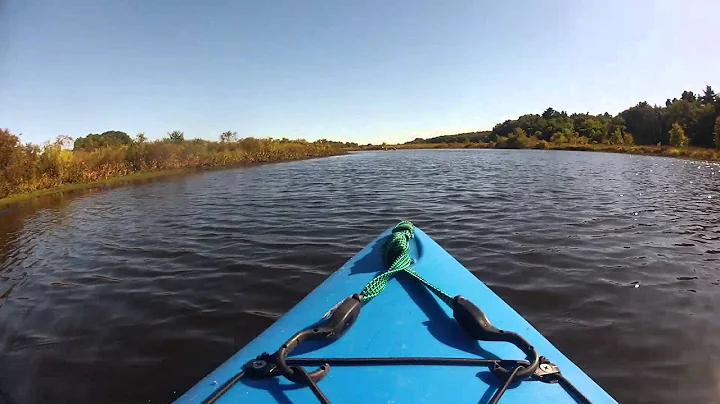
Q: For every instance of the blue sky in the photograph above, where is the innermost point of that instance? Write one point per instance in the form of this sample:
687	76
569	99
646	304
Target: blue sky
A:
364	71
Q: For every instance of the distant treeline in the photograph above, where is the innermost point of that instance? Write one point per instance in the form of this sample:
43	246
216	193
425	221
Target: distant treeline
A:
28	167
691	120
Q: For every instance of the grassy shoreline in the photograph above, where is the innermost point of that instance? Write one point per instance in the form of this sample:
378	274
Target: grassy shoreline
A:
28	170
109	182
696	153
123	180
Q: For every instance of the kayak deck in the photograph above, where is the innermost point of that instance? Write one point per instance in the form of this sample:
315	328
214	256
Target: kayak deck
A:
405	320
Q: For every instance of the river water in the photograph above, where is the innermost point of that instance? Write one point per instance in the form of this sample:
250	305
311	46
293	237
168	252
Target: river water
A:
135	293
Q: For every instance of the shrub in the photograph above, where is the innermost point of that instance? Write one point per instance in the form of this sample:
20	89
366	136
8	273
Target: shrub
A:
542	145
677	136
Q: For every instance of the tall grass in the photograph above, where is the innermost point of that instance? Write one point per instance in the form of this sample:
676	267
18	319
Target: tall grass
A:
27	168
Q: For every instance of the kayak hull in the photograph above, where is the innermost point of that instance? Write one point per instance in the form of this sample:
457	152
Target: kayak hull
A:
405	320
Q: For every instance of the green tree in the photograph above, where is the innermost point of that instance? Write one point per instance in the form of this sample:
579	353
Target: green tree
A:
702	130
176	136
518	139
558	137
717	132
532	123
559	123
592	128
677	136
549	113
616	137
694	114
617	122
708	96
229	136
519	133
109	138
643	121
505	128
680	111
140	138
688	96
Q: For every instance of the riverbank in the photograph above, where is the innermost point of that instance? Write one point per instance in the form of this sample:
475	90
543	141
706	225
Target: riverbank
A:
28	171
110	182
134	178
698	153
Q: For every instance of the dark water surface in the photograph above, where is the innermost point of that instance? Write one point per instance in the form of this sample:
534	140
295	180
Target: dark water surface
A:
134	294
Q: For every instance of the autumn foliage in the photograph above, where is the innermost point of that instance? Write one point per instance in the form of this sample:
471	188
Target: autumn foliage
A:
26	168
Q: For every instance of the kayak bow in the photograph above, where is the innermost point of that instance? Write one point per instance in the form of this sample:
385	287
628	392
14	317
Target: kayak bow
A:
372	363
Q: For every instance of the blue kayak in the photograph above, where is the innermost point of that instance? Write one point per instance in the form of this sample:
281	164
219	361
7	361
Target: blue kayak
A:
401	322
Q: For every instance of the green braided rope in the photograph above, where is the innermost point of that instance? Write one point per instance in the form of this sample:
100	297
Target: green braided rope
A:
396	254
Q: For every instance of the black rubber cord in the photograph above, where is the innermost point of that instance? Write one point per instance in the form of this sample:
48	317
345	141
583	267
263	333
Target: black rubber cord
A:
310	383
225	387
399	360
496	397
579	397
